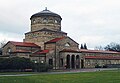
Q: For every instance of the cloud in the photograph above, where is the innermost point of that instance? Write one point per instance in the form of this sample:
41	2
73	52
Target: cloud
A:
10	37
83	20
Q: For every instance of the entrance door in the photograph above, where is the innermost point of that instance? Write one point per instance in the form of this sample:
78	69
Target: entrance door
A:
73	61
82	63
77	62
68	62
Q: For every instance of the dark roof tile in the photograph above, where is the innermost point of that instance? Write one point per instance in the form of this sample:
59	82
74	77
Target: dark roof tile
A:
45	13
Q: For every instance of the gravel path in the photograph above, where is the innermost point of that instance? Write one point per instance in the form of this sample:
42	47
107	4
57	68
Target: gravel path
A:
66	71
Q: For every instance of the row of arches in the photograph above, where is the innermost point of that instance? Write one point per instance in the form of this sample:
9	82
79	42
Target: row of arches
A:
73	62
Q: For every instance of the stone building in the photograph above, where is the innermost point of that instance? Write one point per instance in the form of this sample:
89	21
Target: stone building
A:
46	43
45	26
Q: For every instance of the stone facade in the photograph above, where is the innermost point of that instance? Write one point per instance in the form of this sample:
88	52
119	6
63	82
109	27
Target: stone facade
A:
102	59
56	47
45	26
52	23
42	36
46	43
20	49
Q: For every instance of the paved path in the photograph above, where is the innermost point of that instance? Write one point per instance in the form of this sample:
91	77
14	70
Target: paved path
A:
65	71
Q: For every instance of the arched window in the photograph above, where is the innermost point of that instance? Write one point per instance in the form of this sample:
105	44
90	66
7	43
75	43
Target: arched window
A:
56	21
45	20
67	44
51	62
73	61
8	50
33	21
68	61
50	20
77	61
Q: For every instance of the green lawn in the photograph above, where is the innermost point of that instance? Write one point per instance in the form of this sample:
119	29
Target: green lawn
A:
83	77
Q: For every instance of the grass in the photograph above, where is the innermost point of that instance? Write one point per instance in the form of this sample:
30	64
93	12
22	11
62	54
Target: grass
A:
83	77
15	73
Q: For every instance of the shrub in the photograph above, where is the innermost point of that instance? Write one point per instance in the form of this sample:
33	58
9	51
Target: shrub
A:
22	64
16	63
42	67
97	66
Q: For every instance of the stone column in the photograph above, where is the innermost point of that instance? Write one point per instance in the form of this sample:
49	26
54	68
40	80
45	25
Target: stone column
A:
70	63
75	62
64	61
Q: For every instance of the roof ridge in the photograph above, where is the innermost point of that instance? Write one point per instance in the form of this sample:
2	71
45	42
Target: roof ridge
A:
55	40
99	51
28	44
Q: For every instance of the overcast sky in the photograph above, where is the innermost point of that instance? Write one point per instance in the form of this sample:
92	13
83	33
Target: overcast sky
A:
94	22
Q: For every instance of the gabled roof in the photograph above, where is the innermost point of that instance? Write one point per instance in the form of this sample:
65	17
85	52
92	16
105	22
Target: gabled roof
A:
55	40
103	57
42	52
24	44
73	40
27	44
98	51
58	39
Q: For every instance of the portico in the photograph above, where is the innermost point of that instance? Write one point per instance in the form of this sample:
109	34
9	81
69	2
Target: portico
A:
71	60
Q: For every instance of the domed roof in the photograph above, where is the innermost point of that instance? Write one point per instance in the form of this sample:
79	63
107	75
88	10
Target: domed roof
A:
45	13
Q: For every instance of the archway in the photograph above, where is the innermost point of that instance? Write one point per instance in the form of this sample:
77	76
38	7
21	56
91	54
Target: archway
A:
73	61
68	61
82	63
77	61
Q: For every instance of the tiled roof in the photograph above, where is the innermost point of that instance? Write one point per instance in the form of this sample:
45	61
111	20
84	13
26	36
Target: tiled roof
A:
103	57
98	51
46	13
26	44
42	52
69	50
89	51
55	40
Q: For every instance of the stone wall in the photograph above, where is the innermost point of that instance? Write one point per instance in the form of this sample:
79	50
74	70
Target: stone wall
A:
41	37
8	48
29	49
92	63
52	23
55	49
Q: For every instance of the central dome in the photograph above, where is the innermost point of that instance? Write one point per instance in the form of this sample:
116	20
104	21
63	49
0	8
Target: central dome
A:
45	13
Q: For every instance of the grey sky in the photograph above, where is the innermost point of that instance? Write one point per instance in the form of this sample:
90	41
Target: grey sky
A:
95	22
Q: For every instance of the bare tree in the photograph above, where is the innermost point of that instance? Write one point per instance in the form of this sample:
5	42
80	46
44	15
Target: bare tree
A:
99	48
113	47
2	43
